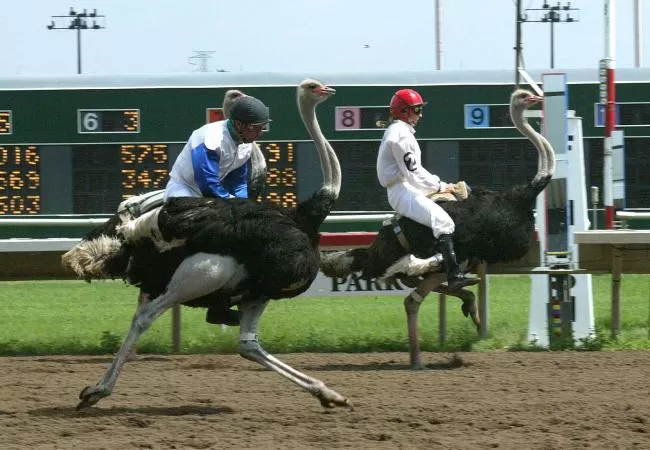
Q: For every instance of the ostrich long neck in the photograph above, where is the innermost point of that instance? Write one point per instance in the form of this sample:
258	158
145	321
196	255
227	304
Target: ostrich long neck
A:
328	160
546	160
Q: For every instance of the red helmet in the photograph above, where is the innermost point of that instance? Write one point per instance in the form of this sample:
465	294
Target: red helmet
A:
402	100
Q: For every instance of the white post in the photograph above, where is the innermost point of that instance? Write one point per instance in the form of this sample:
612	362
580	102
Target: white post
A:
561	210
610	111
438	34
638	34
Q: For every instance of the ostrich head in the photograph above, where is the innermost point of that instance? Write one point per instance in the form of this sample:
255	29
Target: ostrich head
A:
313	92
521	99
229	99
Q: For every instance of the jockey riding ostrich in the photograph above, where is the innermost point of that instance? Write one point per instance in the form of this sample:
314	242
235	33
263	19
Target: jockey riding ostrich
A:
490	226
206	251
134	207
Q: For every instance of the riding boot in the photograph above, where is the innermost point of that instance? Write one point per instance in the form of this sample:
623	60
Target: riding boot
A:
456	279
218	315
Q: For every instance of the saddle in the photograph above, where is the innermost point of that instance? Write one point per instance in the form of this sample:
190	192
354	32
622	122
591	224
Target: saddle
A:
461	192
140	204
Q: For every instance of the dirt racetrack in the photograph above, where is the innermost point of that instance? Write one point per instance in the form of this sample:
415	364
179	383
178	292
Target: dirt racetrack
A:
502	400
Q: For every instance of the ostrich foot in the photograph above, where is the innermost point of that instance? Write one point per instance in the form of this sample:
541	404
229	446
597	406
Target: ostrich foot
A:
90	395
469	309
417	365
329	398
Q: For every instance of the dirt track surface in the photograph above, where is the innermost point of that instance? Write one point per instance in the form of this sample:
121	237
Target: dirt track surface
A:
464	401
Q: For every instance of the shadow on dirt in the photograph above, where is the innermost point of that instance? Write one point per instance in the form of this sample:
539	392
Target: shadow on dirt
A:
187	410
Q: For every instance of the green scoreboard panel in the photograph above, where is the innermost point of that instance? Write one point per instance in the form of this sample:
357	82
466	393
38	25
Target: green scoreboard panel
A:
82	145
95	178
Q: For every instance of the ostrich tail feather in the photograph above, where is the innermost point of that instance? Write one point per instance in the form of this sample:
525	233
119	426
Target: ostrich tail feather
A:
99	258
340	264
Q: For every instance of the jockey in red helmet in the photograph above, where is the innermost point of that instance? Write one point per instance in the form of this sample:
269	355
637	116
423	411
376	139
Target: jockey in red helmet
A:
400	171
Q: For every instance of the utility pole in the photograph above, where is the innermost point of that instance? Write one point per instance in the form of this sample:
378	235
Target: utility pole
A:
438	35
518	47
78	21
560	13
638	34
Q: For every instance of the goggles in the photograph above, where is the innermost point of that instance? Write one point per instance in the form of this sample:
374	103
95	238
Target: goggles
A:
257	127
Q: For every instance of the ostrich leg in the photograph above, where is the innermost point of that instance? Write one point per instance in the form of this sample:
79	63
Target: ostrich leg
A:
412	307
251	310
208	274
143	298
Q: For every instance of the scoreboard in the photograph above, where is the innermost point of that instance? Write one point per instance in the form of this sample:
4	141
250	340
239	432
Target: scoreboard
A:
20	180
5	122
487	116
628	114
91	121
354	118
81	145
91	179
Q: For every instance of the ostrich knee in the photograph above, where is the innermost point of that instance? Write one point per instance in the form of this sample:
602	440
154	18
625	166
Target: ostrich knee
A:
412	303
142	321
250	349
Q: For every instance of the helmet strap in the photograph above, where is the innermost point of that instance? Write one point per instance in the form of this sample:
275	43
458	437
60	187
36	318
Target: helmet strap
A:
234	132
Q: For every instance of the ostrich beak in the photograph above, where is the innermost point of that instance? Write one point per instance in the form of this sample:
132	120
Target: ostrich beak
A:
534	99
325	91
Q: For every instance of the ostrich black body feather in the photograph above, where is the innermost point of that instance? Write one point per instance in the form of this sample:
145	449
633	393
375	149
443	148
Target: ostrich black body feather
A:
490	226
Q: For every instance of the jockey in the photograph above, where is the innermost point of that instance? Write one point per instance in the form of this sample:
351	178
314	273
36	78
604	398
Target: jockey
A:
213	162
400	171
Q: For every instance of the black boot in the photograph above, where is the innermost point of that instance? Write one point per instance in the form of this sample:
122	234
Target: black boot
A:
456	279
218	315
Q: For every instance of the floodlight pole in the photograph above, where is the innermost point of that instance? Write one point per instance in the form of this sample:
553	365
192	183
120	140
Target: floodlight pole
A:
552	15
78	21
518	47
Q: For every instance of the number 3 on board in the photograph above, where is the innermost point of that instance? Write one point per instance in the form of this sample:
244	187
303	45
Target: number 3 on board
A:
477	116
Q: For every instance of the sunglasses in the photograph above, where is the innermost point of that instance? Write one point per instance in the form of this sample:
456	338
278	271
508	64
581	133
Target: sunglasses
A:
256	127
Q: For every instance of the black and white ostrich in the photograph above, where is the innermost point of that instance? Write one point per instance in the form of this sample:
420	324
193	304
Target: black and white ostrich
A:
490	226
90	252
86	258
201	252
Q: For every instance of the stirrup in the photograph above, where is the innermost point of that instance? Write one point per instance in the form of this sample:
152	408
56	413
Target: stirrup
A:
464	281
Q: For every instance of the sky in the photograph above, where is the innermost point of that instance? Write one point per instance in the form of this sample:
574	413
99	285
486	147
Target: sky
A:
159	36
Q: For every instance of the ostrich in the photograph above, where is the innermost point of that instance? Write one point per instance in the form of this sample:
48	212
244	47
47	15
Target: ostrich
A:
133	207
490	226
206	251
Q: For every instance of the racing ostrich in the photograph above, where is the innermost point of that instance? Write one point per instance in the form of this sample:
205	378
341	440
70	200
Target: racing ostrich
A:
135	206
490	226
203	251
92	248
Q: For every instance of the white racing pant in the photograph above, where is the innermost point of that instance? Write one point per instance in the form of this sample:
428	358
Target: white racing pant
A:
410	202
